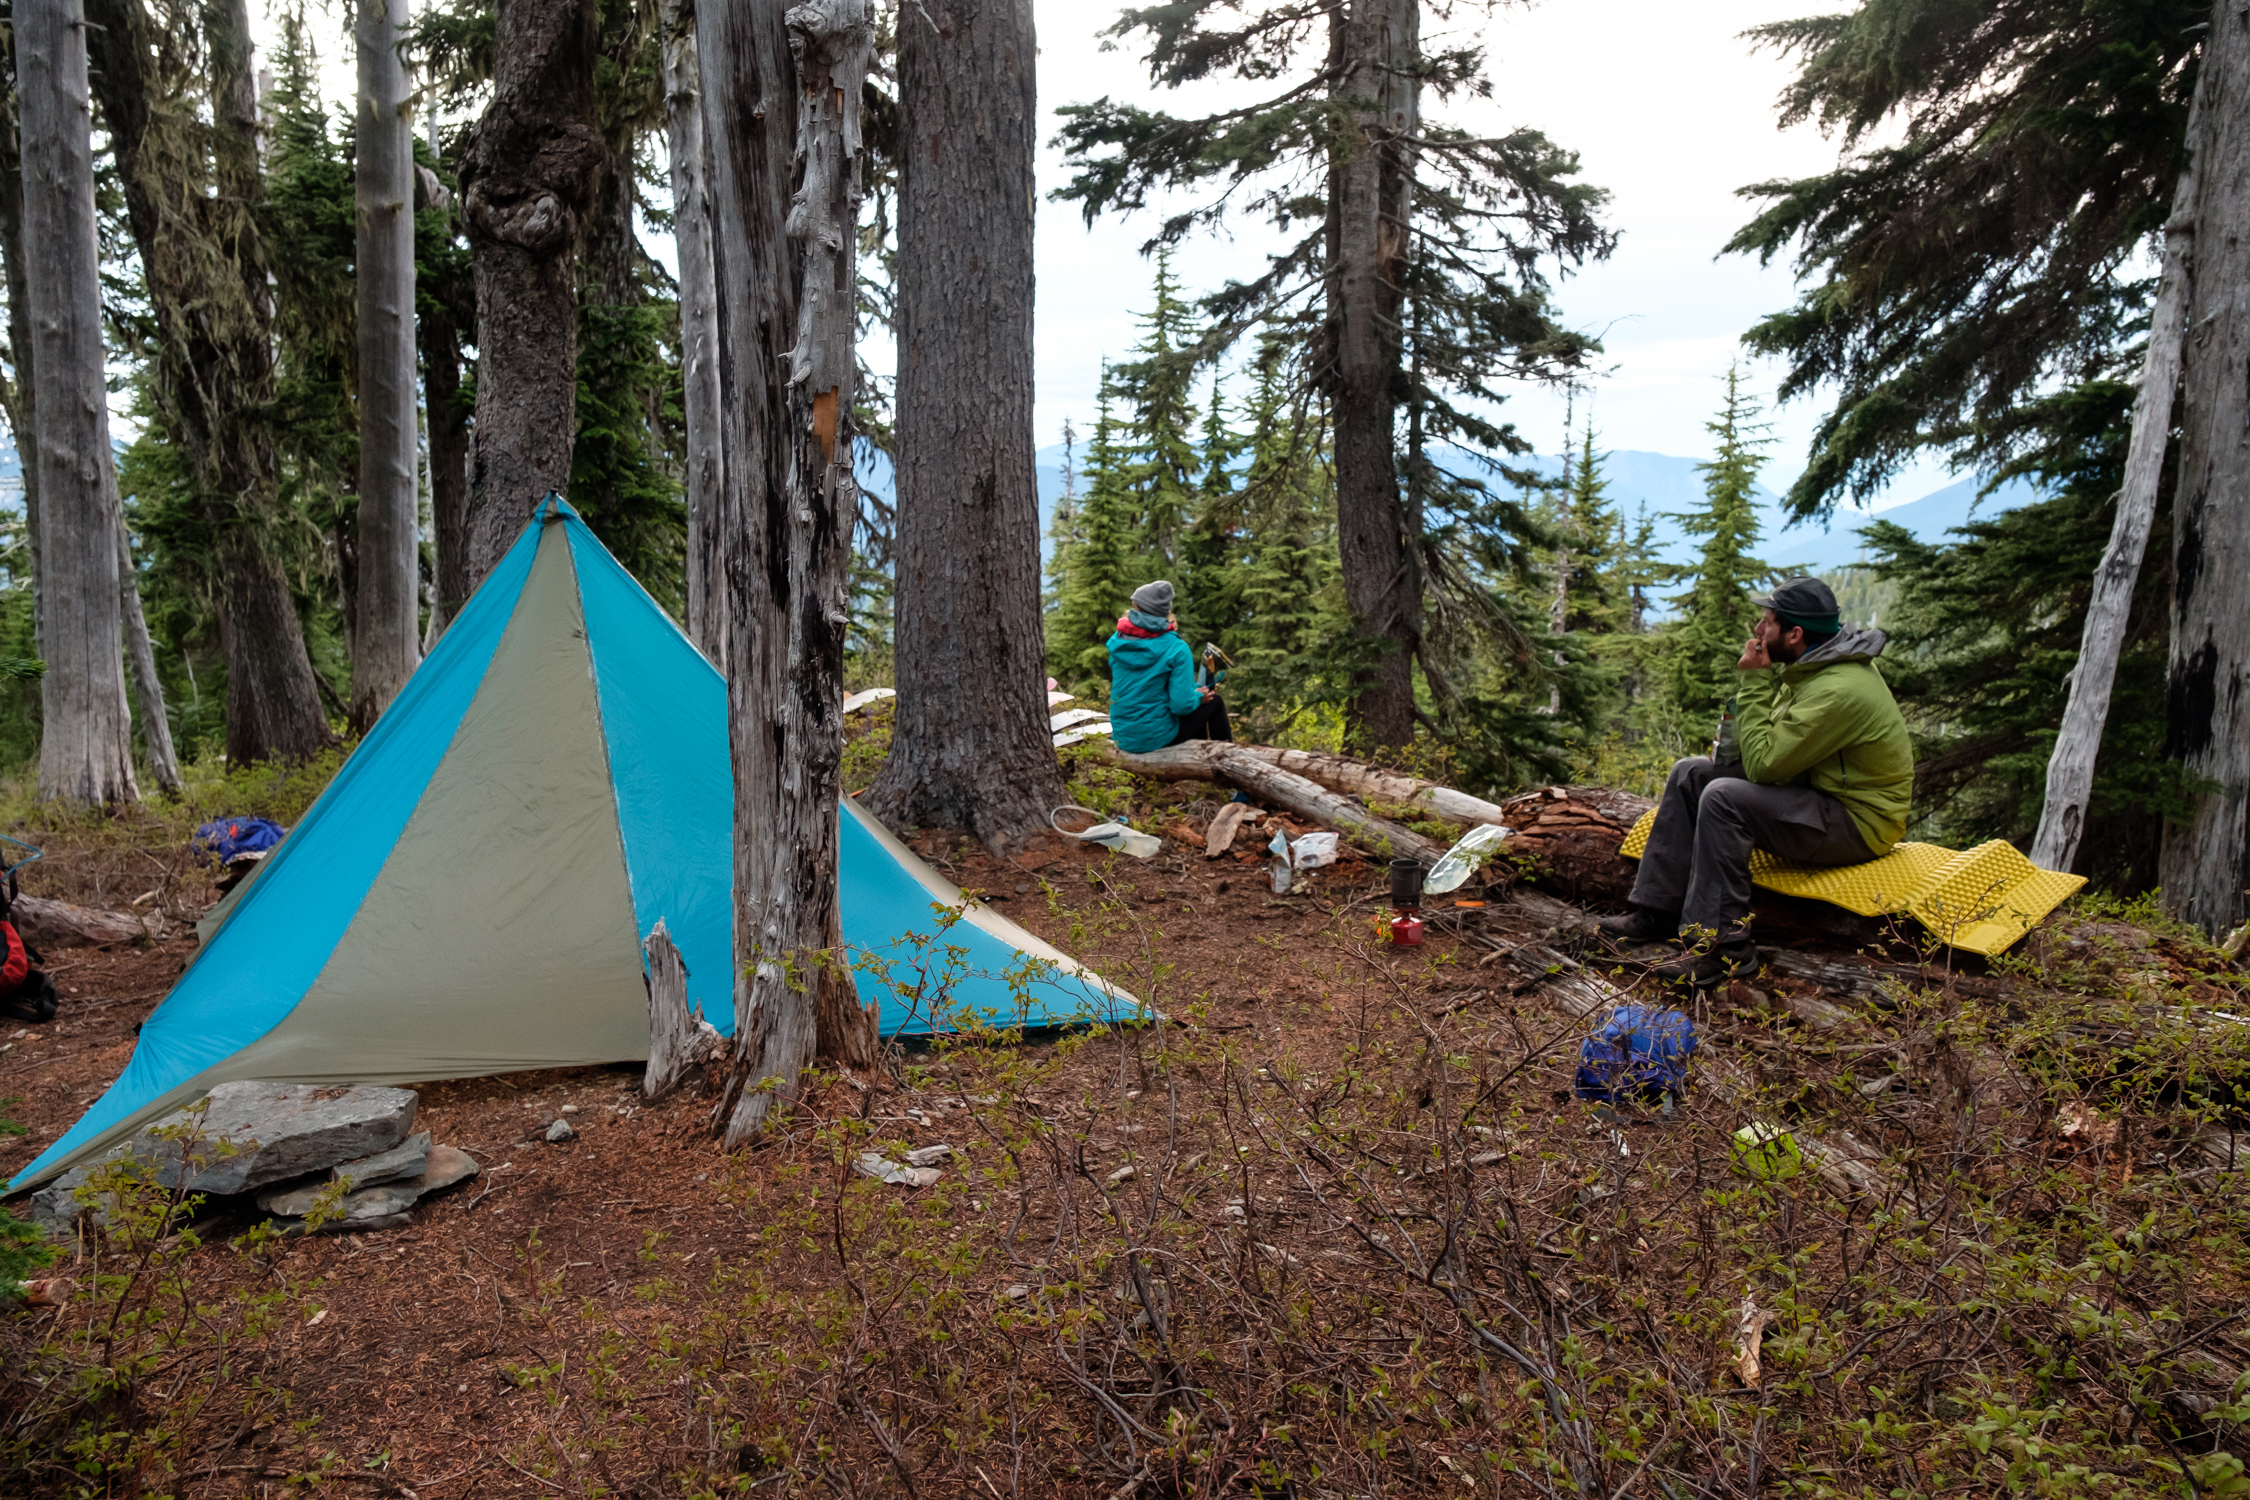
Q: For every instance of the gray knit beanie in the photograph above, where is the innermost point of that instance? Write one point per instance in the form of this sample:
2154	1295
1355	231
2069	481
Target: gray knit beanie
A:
1153	598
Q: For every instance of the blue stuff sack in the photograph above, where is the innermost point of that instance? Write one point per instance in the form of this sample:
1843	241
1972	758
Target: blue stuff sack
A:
1641	1052
230	839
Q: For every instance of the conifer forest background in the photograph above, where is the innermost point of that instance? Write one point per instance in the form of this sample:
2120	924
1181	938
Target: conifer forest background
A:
1542	633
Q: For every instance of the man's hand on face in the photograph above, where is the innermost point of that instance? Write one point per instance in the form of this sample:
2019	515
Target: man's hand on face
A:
1757	652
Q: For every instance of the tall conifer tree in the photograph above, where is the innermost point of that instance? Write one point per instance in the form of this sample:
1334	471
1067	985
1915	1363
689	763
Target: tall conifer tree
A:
1103	563
1399	196
1716	613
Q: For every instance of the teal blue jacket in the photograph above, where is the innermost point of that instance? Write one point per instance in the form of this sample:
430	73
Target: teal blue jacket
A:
1151	688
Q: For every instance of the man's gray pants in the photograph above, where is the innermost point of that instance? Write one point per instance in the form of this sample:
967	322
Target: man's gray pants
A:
1697	862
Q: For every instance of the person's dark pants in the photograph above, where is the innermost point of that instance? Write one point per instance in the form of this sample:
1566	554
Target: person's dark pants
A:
1697	862
1207	723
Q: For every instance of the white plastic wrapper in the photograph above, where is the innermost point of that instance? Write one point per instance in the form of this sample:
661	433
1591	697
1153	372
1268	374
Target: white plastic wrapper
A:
1461	861
1313	850
1279	874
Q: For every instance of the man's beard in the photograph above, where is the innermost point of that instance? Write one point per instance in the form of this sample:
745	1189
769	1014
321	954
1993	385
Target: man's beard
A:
1784	654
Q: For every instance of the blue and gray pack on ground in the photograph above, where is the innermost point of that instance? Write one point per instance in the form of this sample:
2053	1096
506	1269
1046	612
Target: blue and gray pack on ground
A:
229	839
1640	1052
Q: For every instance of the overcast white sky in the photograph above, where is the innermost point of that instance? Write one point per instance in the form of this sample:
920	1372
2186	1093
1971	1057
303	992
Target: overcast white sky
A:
1668	109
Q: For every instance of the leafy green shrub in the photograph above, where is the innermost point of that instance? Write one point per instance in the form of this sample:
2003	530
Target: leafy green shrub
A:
22	1251
87	1420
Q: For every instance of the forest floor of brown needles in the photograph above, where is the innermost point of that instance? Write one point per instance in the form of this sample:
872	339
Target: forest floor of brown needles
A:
1280	1245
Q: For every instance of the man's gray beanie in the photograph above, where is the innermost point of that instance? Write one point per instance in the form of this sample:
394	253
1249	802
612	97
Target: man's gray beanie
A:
1153	598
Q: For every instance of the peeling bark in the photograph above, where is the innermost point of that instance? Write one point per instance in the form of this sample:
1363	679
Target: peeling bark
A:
527	186
699	330
784	218
385	636
2202	864
970	747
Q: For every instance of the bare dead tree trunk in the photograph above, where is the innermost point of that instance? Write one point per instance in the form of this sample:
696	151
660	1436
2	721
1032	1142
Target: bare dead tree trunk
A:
2202	864
386	639
448	318
790	502
527	183
204	264
699	330
970	748
1375	47
85	748
140	655
2070	770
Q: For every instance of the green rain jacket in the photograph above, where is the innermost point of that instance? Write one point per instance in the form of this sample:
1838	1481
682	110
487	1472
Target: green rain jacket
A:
1828	721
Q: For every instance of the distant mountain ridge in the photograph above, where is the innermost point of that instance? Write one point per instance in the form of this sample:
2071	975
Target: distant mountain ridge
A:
1666	484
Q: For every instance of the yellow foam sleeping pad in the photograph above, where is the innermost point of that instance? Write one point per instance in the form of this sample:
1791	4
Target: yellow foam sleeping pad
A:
1981	900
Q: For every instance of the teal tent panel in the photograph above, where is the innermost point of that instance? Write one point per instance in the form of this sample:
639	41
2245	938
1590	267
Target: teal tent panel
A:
893	923
267	954
664	717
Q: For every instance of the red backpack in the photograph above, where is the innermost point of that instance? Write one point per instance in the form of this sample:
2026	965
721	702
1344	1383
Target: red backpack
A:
17	963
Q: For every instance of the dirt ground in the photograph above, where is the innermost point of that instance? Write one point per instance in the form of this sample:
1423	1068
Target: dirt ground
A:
407	1350
408	1358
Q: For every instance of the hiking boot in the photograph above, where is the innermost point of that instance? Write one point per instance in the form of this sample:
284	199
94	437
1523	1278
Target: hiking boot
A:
1639	925
1707	966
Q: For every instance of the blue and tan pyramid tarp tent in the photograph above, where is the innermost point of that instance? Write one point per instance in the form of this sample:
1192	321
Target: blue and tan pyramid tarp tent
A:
470	894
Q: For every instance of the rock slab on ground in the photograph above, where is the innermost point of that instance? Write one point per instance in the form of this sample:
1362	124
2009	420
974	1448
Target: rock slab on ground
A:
383	1207
276	1131
406	1159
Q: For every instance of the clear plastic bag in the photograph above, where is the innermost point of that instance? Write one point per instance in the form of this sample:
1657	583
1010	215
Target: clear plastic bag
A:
1460	862
1116	834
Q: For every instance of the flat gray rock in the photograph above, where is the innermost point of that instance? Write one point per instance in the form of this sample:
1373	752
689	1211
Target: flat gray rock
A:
283	1130
560	1131
279	1131
406	1159
446	1165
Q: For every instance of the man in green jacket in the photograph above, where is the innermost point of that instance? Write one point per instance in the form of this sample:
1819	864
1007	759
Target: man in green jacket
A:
1820	771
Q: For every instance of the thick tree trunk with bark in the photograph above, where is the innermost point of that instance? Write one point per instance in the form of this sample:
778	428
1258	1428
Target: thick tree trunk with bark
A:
19	401
699	330
19	396
447	308
786	314
527	185
2070	769
2202	865
386	635
204	265
1374	47
970	747
85	749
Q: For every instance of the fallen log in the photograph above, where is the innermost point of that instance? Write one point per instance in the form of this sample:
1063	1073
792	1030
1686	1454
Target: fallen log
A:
1216	760
1572	833
59	924
1356	778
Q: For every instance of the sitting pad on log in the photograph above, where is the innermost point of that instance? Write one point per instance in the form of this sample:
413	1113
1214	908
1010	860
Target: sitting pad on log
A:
1981	900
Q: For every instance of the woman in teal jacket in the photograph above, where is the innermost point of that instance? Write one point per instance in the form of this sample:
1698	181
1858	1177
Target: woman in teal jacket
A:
1153	698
